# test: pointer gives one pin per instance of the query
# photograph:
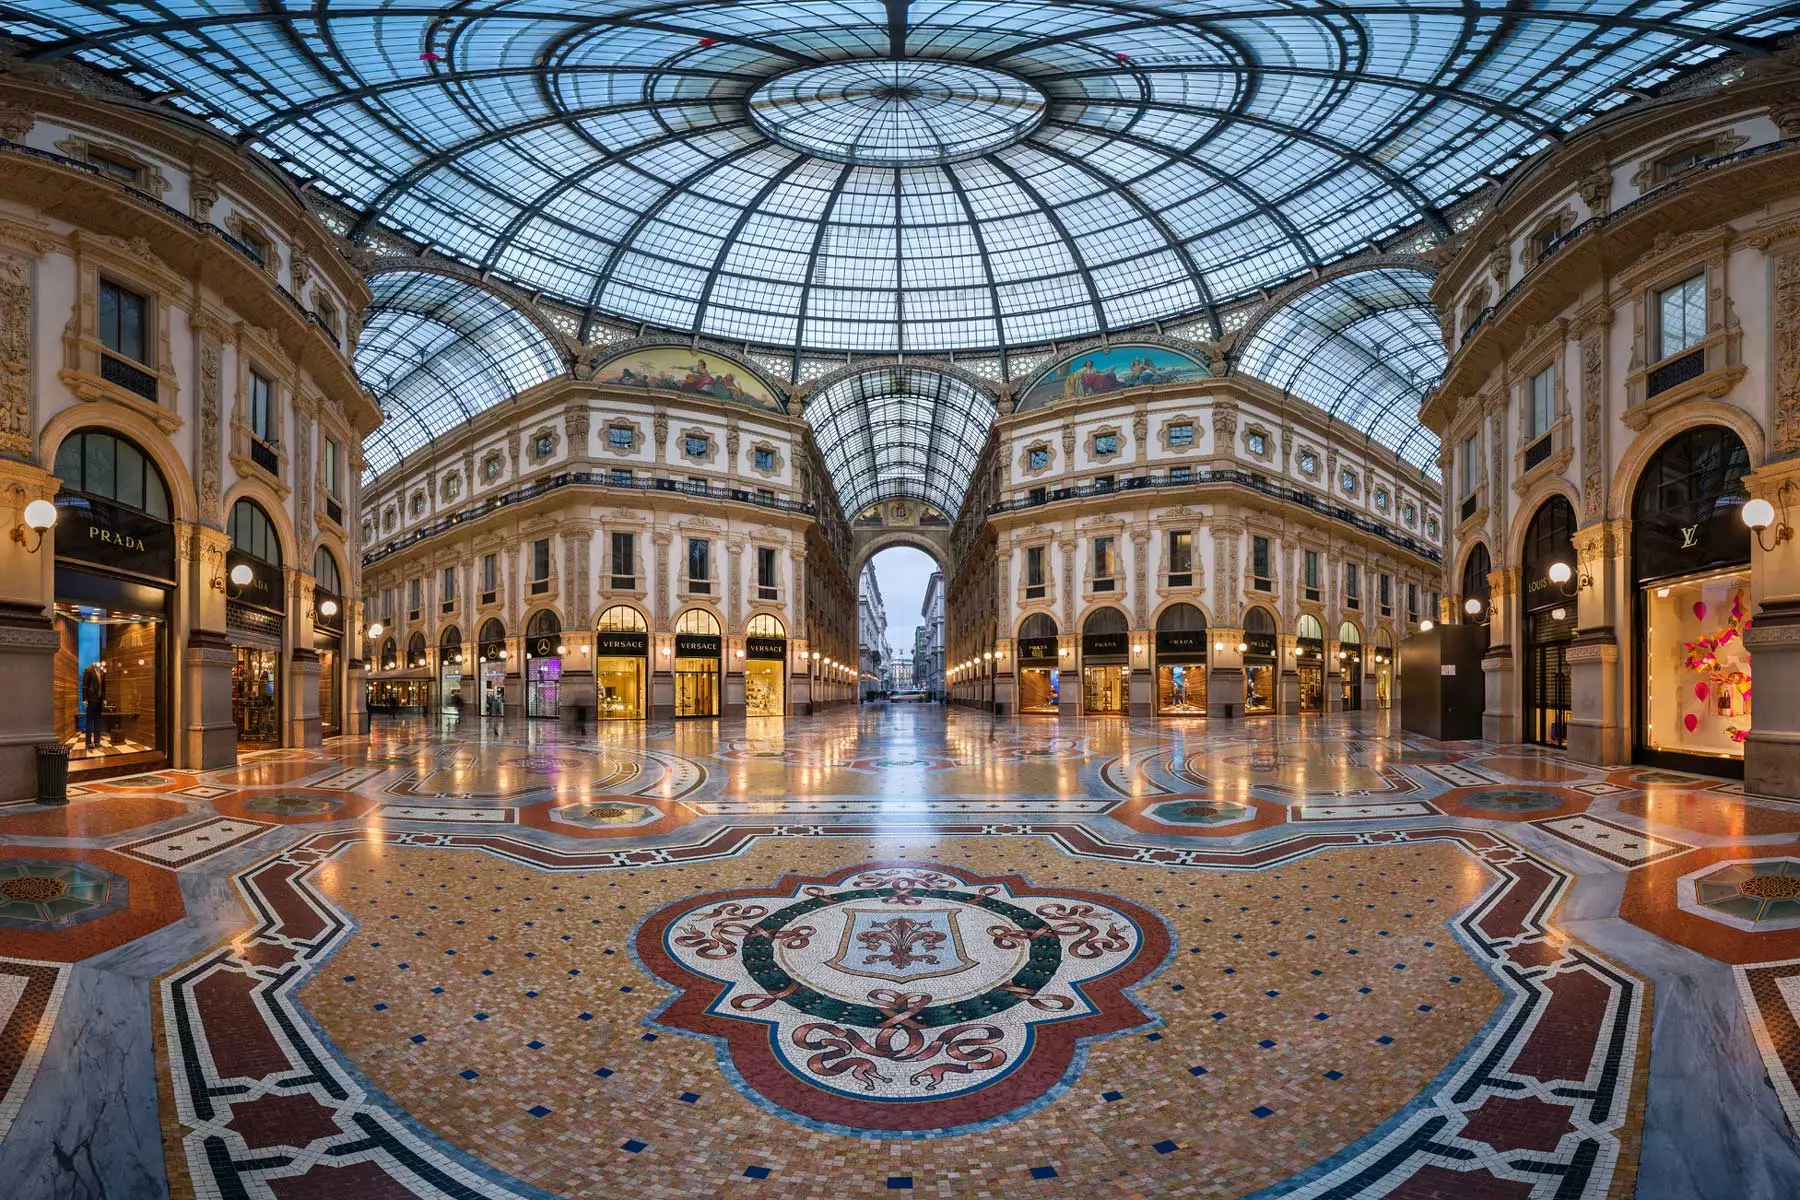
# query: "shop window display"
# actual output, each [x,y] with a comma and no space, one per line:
[621,648]
[1696,669]
[1259,648]
[108,681]
[1105,675]
[253,696]
[697,654]
[1037,651]
[765,666]
[1181,661]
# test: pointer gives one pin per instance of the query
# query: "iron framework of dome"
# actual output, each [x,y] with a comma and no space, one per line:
[904,431]
[1030,173]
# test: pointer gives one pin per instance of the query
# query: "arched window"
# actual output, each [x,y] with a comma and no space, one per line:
[325,573]
[1308,629]
[1258,619]
[1179,618]
[450,644]
[1475,585]
[99,463]
[766,625]
[698,620]
[252,532]
[415,650]
[1105,620]
[1684,512]
[621,618]
[543,624]
[390,651]
[1349,635]
[1037,626]
[491,646]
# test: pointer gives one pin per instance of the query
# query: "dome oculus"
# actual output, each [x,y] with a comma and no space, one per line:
[896,113]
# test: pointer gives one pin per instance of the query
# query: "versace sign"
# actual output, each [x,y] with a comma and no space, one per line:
[630,645]
[696,645]
[765,647]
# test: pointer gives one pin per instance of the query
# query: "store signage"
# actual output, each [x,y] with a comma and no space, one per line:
[1104,645]
[113,536]
[1259,645]
[1181,645]
[543,648]
[630,645]
[696,645]
[765,647]
[1038,651]
[266,589]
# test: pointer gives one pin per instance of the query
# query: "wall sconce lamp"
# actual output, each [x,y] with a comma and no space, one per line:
[40,516]
[1472,606]
[241,575]
[561,650]
[1561,573]
[1758,514]
[1242,646]
[1427,625]
[375,630]
[328,608]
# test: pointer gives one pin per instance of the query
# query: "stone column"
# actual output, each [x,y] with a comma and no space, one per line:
[579,693]
[1499,718]
[208,733]
[301,703]
[1772,748]
[28,637]
[1599,732]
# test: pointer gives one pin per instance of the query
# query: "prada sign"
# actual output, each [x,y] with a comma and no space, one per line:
[1037,651]
[1181,645]
[630,645]
[1105,645]
[110,535]
[266,589]
[696,645]
[765,647]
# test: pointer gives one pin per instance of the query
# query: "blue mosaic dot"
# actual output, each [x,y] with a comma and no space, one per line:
[1196,1071]
[900,1183]
[649,1037]
[1109,1097]
[689,1097]
[1334,1076]
[481,1016]
[380,1008]
[585,1017]
[604,1072]
[1267,1043]
[1323,1016]
[534,1044]
[1261,1111]
[469,1074]
[1424,1008]
[437,991]
[1385,1040]
[1153,1037]
[633,1146]
[418,1039]
[1218,1016]
[1043,1172]
[1271,993]
[538,1110]
[1364,991]
[756,1172]
[1165,1147]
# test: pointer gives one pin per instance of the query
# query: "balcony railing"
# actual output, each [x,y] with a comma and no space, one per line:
[263,455]
[133,379]
[1233,477]
[1677,370]
[541,487]
[334,510]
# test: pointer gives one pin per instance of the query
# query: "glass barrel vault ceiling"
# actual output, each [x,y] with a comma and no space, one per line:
[894,432]
[1366,348]
[1066,169]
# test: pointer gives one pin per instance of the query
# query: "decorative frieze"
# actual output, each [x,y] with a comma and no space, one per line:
[17,387]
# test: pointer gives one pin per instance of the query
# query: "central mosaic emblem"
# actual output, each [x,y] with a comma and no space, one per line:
[902,1000]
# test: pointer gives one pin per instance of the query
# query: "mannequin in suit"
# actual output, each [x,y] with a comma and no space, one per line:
[93,699]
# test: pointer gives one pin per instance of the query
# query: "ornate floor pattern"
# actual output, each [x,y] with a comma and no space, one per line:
[902,951]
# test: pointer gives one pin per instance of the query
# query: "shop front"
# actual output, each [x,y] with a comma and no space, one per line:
[490,654]
[1548,623]
[1309,663]
[255,613]
[1690,553]
[1384,669]
[1259,649]
[1037,657]
[114,588]
[1350,668]
[621,663]
[1181,662]
[765,667]
[328,641]
[698,649]
[450,670]
[1105,663]
[1475,592]
[543,664]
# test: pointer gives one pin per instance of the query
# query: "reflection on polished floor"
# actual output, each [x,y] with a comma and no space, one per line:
[899,949]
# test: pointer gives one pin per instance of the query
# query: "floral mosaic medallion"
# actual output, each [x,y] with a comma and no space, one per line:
[1751,895]
[902,1000]
[1202,812]
[605,815]
[293,804]
[1513,800]
[39,893]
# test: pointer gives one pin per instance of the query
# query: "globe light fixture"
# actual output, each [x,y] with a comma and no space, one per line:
[328,609]
[241,575]
[1426,626]
[1472,606]
[40,516]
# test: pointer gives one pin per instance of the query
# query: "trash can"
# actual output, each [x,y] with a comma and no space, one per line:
[362,723]
[53,774]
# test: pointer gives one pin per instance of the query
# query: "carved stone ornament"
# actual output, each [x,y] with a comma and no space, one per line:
[1225,423]
[210,358]
[1593,361]
[1786,381]
[1786,117]
[1500,264]
[575,424]
[1595,188]
[16,122]
[203,193]
[16,383]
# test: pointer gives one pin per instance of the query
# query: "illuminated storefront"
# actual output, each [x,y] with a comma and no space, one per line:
[1548,623]
[1259,649]
[698,647]
[765,667]
[450,670]
[1105,667]
[490,654]
[1690,553]
[255,612]
[543,664]
[1309,662]
[1036,654]
[1181,662]
[1350,668]
[328,641]
[621,663]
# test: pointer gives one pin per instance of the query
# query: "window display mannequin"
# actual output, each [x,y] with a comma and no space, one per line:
[93,701]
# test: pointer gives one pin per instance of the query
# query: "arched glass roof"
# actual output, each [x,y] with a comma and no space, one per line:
[1366,348]
[435,351]
[892,432]
[1073,168]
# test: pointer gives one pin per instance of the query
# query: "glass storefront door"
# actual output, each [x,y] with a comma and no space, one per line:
[109,683]
[1384,686]
[1104,690]
[493,689]
[1312,688]
[543,686]
[450,685]
[619,688]
[763,691]
[1547,703]
[1259,688]
[1038,690]
[1350,682]
[331,716]
[255,689]
[1181,689]
[696,687]
[1696,693]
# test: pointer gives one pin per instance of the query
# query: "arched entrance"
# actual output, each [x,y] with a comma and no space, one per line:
[765,666]
[698,647]
[1259,649]
[491,651]
[255,612]
[543,664]
[1547,622]
[1690,560]
[1350,667]
[1385,669]
[1036,650]
[450,670]
[621,663]
[1475,593]
[1105,664]
[328,640]
[1181,662]
[1309,662]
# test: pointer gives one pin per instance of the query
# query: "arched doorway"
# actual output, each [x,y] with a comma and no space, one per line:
[1259,649]
[450,670]
[1105,665]
[1385,669]
[114,599]
[621,663]
[1181,662]
[255,611]
[490,651]
[1690,558]
[1350,667]
[698,646]
[1476,569]
[389,658]
[1547,622]
[328,640]
[765,666]
[1309,662]
[1037,653]
[543,664]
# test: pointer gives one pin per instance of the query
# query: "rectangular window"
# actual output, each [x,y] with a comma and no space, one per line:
[1181,474]
[259,249]
[1262,579]
[1105,569]
[448,589]
[540,559]
[624,560]
[262,394]
[490,577]
[1310,560]
[387,605]
[1543,401]
[621,437]
[767,582]
[1385,594]
[1181,435]
[331,467]
[1471,463]
[1181,558]
[1034,572]
[121,171]
[1680,317]
[1106,443]
[123,324]
[1412,602]
[415,598]
[764,458]
[699,564]
[1433,610]
[1352,587]
[1038,458]
[619,477]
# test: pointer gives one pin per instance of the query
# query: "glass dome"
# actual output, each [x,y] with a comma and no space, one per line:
[880,177]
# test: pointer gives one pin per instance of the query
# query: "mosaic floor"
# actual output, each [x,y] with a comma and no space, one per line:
[898,951]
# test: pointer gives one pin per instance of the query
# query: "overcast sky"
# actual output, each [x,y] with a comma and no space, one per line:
[902,573]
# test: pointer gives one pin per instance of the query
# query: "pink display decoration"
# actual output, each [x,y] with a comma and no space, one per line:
[1699,610]
[1701,690]
[1691,721]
